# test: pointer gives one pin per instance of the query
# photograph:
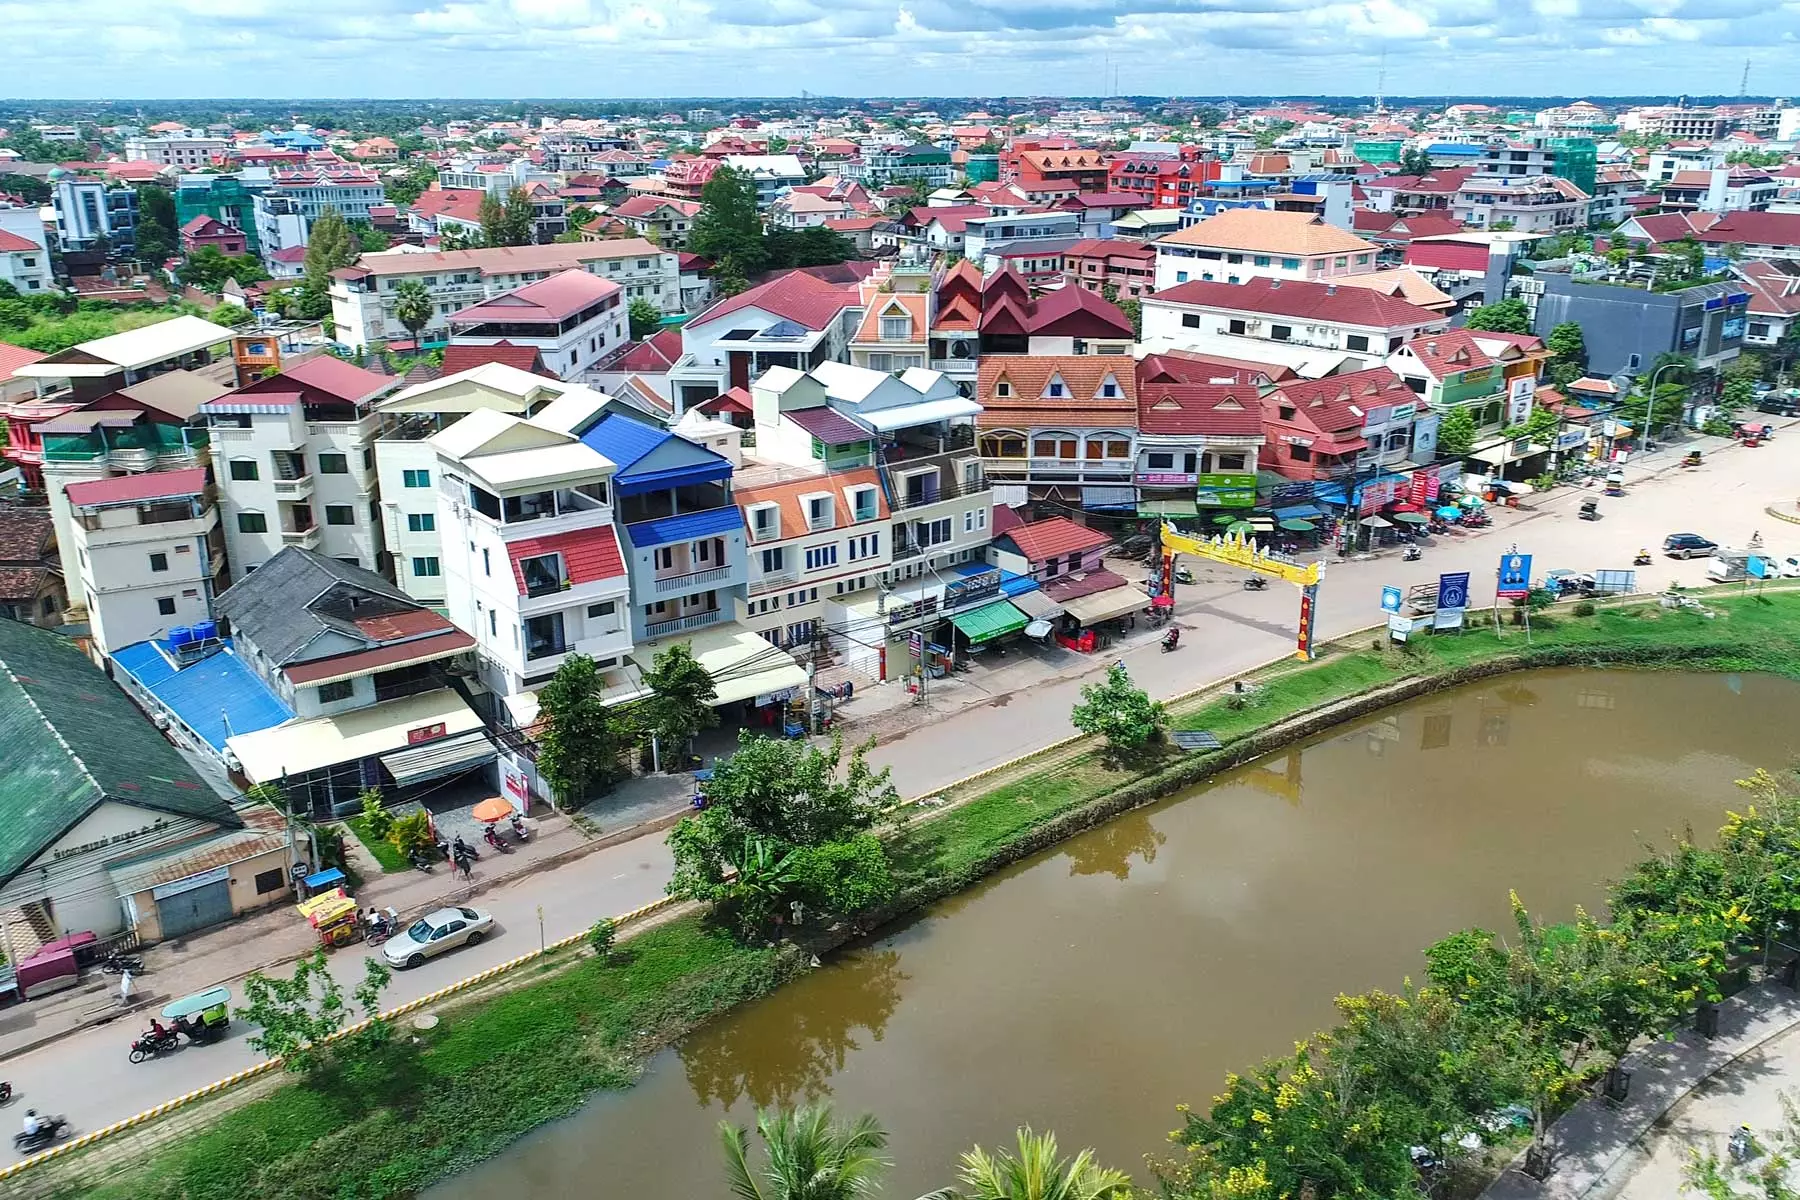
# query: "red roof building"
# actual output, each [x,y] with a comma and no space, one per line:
[459,358]
[1098,263]
[1065,321]
[1313,427]
[1162,180]
[204,231]
[1051,547]
[588,555]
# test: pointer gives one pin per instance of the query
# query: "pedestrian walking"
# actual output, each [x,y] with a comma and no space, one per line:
[124,989]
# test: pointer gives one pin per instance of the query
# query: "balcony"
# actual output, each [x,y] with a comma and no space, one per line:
[131,458]
[683,624]
[692,581]
[539,650]
[294,489]
[957,366]
[906,550]
[772,580]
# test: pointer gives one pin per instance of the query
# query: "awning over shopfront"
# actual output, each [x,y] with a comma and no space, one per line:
[1109,497]
[990,621]
[1168,508]
[434,760]
[1299,512]
[1037,605]
[743,665]
[1103,606]
[318,742]
[1499,456]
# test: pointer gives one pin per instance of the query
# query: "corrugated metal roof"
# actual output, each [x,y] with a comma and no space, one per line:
[684,527]
[216,697]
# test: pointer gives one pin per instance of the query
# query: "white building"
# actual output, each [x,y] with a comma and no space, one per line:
[772,173]
[362,296]
[150,554]
[285,212]
[795,320]
[89,211]
[572,319]
[24,251]
[533,564]
[1346,322]
[1530,204]
[812,542]
[1250,243]
[295,462]
[189,149]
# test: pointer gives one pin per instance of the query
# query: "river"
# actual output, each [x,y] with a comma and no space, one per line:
[1092,988]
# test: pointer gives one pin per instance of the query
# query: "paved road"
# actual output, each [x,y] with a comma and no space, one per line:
[1226,630]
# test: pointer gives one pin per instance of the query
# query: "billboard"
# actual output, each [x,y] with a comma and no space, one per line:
[1225,490]
[1515,575]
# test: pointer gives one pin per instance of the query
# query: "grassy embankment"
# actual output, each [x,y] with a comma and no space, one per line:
[497,1067]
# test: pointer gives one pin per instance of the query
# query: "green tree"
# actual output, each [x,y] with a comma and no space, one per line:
[1456,433]
[1570,350]
[229,315]
[1134,312]
[583,739]
[1415,162]
[412,306]
[295,1017]
[1036,1172]
[681,698]
[728,227]
[812,1156]
[1109,293]
[777,145]
[209,268]
[405,189]
[1502,316]
[370,238]
[579,216]
[491,213]
[1738,394]
[156,224]
[520,221]
[645,318]
[411,834]
[376,818]
[458,237]
[331,245]
[1119,711]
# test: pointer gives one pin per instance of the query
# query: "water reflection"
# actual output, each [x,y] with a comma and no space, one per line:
[777,1056]
[1110,849]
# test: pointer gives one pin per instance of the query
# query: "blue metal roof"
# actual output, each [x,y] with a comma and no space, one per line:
[1453,148]
[685,527]
[624,440]
[216,698]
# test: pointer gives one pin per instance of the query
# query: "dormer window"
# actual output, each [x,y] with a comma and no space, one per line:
[765,521]
[1003,389]
[862,503]
[1056,387]
[1110,389]
[818,512]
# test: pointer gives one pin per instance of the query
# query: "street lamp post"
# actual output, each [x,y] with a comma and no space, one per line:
[1650,408]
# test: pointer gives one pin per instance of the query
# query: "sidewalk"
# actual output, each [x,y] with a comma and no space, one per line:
[1592,1138]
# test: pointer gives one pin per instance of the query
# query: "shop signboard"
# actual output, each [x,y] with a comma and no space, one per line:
[1230,489]
[1570,439]
[515,785]
[1518,400]
[1166,478]
[1399,627]
[971,588]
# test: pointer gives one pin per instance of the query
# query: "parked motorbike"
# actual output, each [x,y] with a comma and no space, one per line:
[1412,554]
[1255,583]
[49,1131]
[6,1092]
[420,861]
[157,1040]
[518,829]
[115,963]
[493,839]
[1741,1145]
[1184,575]
[1641,559]
[458,849]
[1171,639]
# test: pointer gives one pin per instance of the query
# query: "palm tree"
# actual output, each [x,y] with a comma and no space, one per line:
[412,306]
[811,1156]
[1035,1174]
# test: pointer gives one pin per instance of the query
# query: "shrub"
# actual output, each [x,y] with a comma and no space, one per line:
[1583,608]
[411,834]
[601,935]
[376,818]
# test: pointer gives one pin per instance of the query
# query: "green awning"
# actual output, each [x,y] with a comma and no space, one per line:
[1168,508]
[990,621]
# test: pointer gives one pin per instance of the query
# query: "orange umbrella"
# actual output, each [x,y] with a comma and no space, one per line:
[493,809]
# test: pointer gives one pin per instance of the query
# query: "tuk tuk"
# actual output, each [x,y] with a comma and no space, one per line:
[1590,509]
[1615,482]
[203,1016]
[1692,459]
[333,917]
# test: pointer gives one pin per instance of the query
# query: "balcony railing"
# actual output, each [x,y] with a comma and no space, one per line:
[906,550]
[691,581]
[132,458]
[775,579]
[294,489]
[306,539]
[682,624]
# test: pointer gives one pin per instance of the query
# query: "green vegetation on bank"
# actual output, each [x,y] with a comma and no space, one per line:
[393,1125]
[48,325]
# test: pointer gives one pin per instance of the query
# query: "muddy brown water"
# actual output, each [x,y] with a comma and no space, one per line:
[1092,988]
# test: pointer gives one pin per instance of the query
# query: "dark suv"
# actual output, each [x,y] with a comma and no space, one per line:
[1688,545]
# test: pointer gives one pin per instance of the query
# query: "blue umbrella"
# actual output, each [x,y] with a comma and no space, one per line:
[1449,512]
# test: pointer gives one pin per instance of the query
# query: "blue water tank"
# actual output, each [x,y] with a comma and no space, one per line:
[206,631]
[180,636]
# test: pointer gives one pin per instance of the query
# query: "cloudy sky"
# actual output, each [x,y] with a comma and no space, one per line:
[601,48]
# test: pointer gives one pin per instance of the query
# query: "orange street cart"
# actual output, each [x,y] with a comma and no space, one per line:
[333,915]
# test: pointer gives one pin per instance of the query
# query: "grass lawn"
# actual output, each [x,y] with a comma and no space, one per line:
[382,850]
[49,333]
[532,1054]
[486,1075]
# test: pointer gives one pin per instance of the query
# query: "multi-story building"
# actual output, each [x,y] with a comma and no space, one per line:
[229,199]
[105,365]
[362,296]
[1492,376]
[1321,428]
[990,240]
[1666,163]
[660,217]
[813,541]
[1045,175]
[210,232]
[892,334]
[1626,328]
[1434,191]
[684,178]
[1248,243]
[771,173]
[795,320]
[150,552]
[1066,424]
[25,252]
[572,319]
[1698,124]
[1755,234]
[31,581]
[1774,306]
[189,149]
[532,562]
[1160,180]
[1066,321]
[1129,268]
[1616,186]
[1239,320]
[684,538]
[294,457]
[91,213]
[284,212]
[1199,436]
[885,165]
[1720,190]
[1532,204]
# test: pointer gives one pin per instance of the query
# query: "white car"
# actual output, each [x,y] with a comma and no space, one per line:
[1787,568]
[436,932]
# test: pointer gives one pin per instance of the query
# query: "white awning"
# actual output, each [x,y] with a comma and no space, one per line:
[1103,606]
[435,759]
[905,416]
[316,742]
[742,664]
[1496,456]
[1037,605]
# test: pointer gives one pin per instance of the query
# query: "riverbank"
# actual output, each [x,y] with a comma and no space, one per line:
[497,1068]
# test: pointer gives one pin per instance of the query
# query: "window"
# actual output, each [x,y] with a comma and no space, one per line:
[270,881]
[493,623]
[895,329]
[1356,341]
[331,693]
[818,512]
[1181,277]
[1003,389]
[1109,389]
[543,574]
[773,560]
[665,558]
[864,546]
[340,514]
[159,562]
[1115,449]
[415,479]
[421,522]
[333,464]
[605,608]
[252,522]
[1299,453]
[244,470]
[1262,260]
[1233,326]
[165,606]
[862,504]
[1192,321]
[1290,264]
[1160,462]
[1056,388]
[821,556]
[1281,333]
[1234,258]
[426,568]
[1230,462]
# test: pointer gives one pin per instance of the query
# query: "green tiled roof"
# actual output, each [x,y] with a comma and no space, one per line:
[72,740]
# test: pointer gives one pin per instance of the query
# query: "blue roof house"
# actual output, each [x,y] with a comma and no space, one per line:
[684,538]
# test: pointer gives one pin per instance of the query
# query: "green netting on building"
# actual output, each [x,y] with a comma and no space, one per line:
[1576,161]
